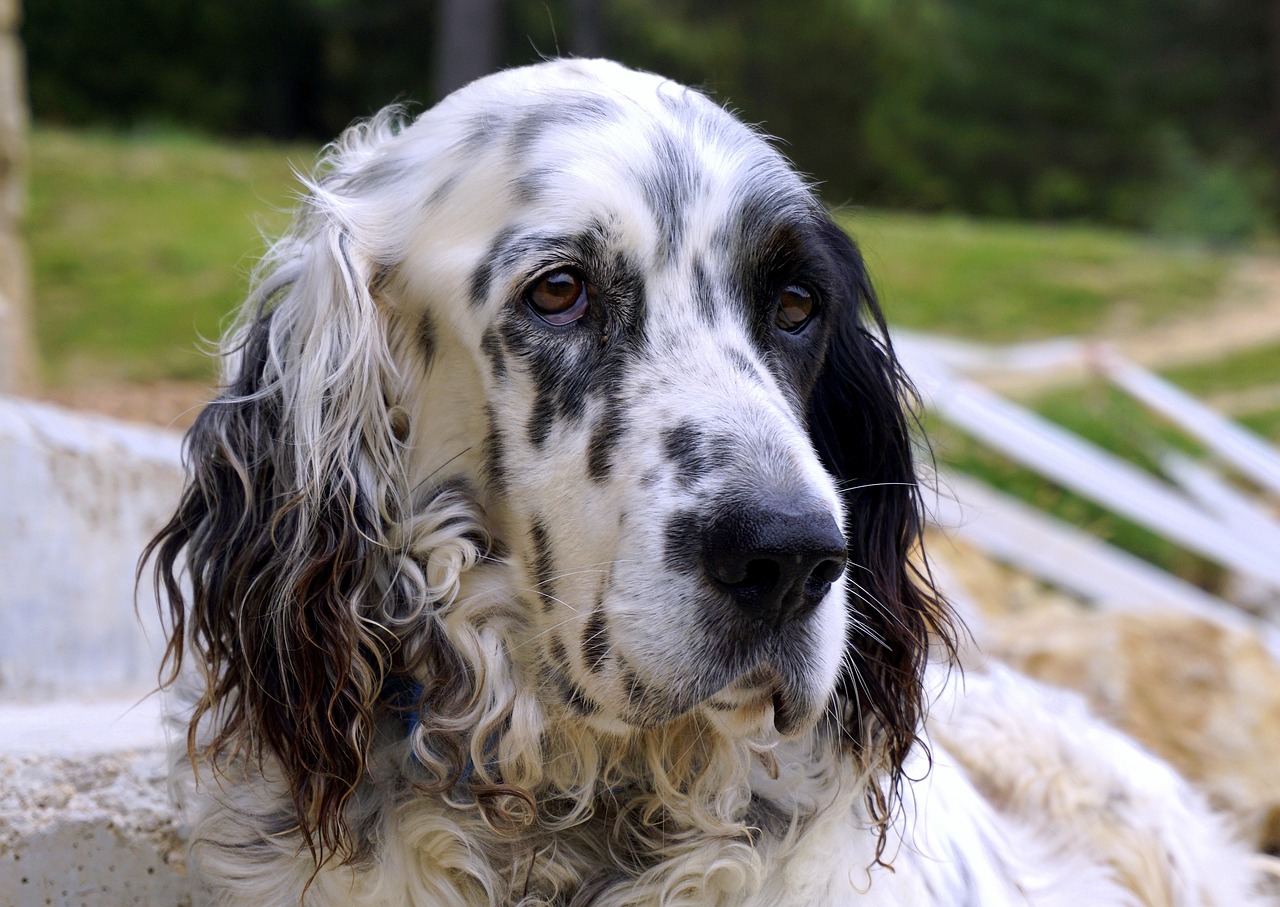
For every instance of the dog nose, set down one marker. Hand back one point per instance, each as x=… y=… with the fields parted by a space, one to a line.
x=776 y=563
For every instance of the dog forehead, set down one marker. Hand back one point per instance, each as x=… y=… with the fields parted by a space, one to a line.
x=562 y=142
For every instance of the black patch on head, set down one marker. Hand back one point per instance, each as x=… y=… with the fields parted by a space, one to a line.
x=491 y=346
x=529 y=187
x=683 y=535
x=572 y=364
x=637 y=691
x=649 y=706
x=543 y=567
x=556 y=650
x=563 y=110
x=676 y=98
x=683 y=446
x=605 y=437
x=595 y=642
x=743 y=363
x=443 y=191
x=570 y=693
x=503 y=252
x=694 y=452
x=704 y=293
x=541 y=419
x=495 y=470
x=775 y=241
x=426 y=337
x=669 y=186
x=483 y=130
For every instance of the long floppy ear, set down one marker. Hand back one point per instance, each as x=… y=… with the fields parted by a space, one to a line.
x=295 y=477
x=860 y=423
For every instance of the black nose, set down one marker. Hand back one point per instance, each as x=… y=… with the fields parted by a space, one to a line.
x=776 y=562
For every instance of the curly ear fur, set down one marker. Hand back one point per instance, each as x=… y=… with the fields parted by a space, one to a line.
x=282 y=528
x=860 y=423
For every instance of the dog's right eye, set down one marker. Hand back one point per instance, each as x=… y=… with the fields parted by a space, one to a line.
x=559 y=297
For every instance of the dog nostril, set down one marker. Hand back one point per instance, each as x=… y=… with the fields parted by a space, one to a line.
x=819 y=582
x=758 y=576
x=775 y=564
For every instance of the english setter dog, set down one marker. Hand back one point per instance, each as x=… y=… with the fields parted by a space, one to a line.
x=555 y=541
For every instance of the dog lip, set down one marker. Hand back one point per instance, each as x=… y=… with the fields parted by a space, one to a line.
x=785 y=720
x=767 y=688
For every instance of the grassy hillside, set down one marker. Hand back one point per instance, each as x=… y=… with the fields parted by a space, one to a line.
x=141 y=246
x=1006 y=281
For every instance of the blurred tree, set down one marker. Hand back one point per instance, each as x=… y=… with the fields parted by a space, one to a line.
x=233 y=66
x=585 y=36
x=1136 y=111
x=468 y=43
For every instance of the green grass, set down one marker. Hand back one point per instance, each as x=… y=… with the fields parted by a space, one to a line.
x=1242 y=369
x=1000 y=281
x=141 y=246
x=1266 y=424
x=1237 y=372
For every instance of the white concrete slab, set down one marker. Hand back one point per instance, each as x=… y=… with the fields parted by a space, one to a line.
x=79 y=498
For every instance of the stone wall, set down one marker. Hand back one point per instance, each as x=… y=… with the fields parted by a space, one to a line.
x=16 y=353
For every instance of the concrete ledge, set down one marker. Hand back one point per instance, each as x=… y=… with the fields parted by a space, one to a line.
x=79 y=498
x=85 y=815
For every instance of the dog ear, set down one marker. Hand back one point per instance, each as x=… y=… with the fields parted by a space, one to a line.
x=295 y=477
x=860 y=423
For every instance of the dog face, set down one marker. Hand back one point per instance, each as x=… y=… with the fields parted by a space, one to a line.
x=585 y=313
x=646 y=320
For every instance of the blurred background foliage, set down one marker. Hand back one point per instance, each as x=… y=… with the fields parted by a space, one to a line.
x=1157 y=114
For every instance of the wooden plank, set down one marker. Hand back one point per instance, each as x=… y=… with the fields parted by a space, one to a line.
x=1251 y=455
x=1071 y=559
x=1087 y=469
x=1239 y=512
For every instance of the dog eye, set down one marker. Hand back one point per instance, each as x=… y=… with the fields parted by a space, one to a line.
x=559 y=296
x=795 y=308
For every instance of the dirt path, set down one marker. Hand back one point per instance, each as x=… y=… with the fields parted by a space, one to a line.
x=168 y=404
x=1246 y=316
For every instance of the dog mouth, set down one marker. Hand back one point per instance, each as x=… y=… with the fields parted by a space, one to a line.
x=765 y=696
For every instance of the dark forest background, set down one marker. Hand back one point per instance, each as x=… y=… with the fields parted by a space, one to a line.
x=1157 y=114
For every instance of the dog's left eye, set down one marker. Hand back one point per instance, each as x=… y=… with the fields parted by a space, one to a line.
x=559 y=296
x=795 y=308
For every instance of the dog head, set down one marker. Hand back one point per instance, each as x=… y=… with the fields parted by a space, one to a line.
x=579 y=328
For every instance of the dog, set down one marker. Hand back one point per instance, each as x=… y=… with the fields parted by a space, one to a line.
x=555 y=540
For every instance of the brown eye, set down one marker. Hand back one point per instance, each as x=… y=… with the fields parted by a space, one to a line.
x=559 y=296
x=795 y=308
